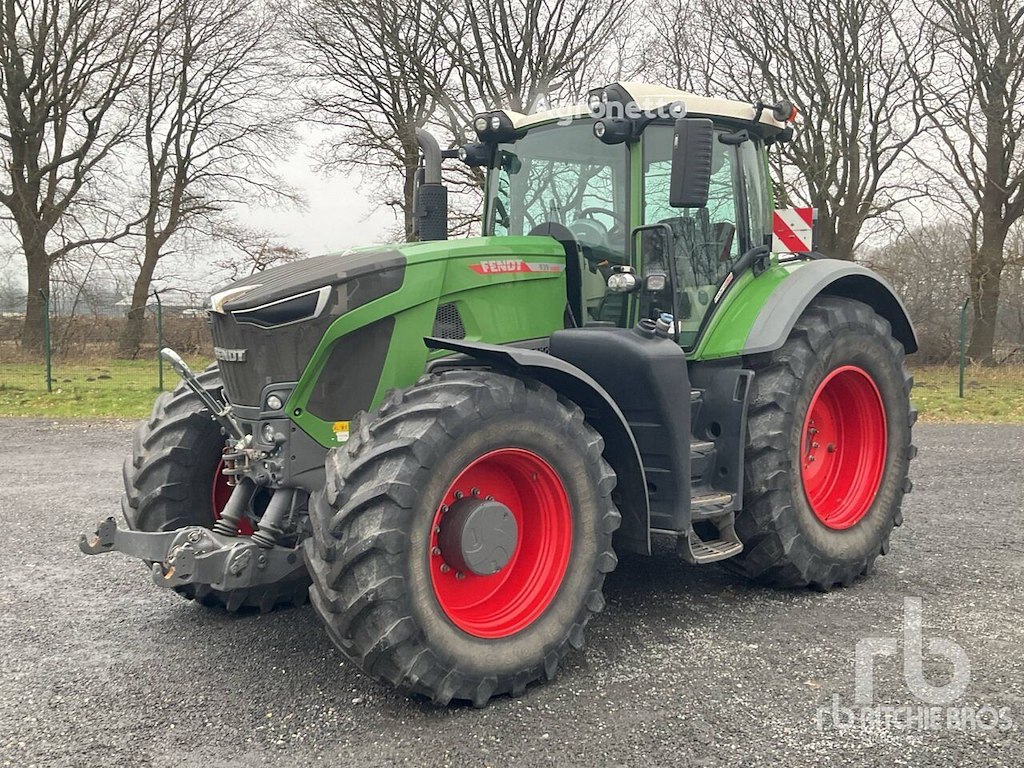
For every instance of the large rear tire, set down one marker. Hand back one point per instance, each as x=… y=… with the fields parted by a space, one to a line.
x=828 y=449
x=172 y=480
x=387 y=584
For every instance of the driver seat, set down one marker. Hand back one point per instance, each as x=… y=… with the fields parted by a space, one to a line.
x=574 y=317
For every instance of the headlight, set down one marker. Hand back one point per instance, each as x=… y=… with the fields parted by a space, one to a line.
x=293 y=309
x=494 y=127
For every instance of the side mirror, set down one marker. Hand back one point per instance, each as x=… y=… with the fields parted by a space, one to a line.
x=692 y=147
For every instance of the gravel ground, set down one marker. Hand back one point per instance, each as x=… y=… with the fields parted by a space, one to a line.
x=687 y=666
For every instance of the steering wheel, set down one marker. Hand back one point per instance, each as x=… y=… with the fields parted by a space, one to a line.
x=590 y=232
x=606 y=211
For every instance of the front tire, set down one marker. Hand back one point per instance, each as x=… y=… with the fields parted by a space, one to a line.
x=172 y=480
x=828 y=449
x=389 y=589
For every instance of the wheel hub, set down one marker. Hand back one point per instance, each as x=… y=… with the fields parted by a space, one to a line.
x=478 y=535
x=500 y=543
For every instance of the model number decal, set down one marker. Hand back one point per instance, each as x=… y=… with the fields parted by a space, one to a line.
x=507 y=266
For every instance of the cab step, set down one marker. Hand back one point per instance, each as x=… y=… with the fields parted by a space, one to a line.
x=698 y=551
x=711 y=505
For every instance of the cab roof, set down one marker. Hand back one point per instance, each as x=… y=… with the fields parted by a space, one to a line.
x=648 y=96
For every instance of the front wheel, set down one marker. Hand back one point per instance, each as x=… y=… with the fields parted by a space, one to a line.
x=463 y=536
x=828 y=449
x=172 y=479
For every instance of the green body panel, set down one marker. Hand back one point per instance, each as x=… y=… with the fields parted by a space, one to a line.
x=727 y=331
x=498 y=301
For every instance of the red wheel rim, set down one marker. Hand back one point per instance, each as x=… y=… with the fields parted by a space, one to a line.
x=843 y=447
x=506 y=602
x=220 y=495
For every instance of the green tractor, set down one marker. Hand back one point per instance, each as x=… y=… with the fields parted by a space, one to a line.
x=446 y=444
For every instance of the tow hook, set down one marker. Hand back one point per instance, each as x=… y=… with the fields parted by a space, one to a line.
x=196 y=555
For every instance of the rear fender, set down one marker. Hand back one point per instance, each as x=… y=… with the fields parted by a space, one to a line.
x=829 y=277
x=620 y=448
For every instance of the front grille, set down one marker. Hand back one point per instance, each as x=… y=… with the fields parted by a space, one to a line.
x=272 y=355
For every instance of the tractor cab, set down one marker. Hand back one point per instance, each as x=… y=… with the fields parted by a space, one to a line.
x=600 y=181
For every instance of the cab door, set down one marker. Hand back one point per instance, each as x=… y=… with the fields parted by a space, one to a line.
x=706 y=241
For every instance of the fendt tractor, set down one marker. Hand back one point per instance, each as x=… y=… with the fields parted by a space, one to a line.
x=446 y=444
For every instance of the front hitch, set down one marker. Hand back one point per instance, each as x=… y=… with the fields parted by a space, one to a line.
x=196 y=555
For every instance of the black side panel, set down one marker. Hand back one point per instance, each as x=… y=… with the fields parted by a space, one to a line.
x=722 y=419
x=349 y=380
x=648 y=380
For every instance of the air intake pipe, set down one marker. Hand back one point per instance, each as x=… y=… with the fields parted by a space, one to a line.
x=430 y=199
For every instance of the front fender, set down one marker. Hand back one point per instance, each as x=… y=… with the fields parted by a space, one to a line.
x=758 y=314
x=620 y=448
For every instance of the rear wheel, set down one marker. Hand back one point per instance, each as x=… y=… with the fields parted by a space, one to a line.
x=828 y=449
x=172 y=480
x=463 y=536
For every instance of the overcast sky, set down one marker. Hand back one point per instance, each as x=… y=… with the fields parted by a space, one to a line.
x=337 y=216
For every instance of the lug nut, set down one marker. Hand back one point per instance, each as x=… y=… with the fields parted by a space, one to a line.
x=475 y=492
x=445 y=567
x=831 y=448
x=437 y=529
x=460 y=575
x=458 y=494
x=435 y=551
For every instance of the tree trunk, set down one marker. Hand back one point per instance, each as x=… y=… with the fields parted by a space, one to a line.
x=38 y=265
x=135 y=322
x=986 y=270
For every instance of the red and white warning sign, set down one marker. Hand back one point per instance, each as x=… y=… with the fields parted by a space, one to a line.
x=793 y=230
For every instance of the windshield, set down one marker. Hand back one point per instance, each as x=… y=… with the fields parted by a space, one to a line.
x=563 y=175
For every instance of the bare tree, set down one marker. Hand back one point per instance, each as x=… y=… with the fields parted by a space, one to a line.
x=928 y=265
x=378 y=70
x=975 y=100
x=214 y=112
x=252 y=251
x=511 y=53
x=368 y=67
x=64 y=65
x=847 y=65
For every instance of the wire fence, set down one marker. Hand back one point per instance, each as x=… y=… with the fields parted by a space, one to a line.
x=84 y=369
x=88 y=357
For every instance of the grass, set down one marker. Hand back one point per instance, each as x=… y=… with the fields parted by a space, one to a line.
x=95 y=389
x=126 y=389
x=991 y=395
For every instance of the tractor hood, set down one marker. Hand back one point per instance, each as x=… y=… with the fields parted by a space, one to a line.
x=267 y=326
x=285 y=293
